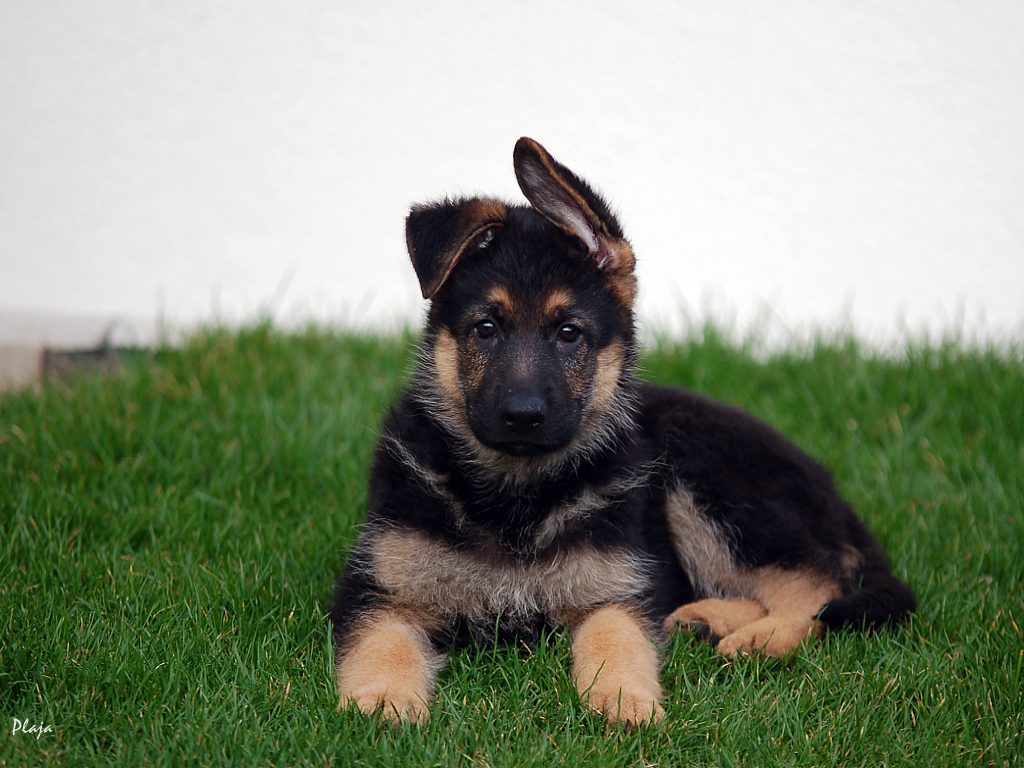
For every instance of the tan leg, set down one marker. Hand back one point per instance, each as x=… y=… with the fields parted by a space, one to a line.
x=389 y=666
x=616 y=666
x=792 y=599
x=713 y=619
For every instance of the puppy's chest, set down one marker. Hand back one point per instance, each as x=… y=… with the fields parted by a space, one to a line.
x=420 y=571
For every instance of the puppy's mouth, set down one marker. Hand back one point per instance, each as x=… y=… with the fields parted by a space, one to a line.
x=523 y=448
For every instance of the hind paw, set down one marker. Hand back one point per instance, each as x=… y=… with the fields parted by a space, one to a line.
x=713 y=619
x=770 y=636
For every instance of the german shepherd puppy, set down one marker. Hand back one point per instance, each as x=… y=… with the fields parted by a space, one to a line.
x=527 y=479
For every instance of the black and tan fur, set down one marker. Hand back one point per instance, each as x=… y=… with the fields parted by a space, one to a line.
x=526 y=479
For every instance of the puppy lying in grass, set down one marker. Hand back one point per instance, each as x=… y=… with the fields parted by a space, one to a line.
x=527 y=479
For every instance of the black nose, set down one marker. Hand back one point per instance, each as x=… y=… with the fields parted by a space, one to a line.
x=523 y=414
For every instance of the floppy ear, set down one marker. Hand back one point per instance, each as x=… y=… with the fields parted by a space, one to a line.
x=571 y=205
x=437 y=234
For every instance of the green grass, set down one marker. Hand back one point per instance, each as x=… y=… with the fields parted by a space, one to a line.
x=171 y=535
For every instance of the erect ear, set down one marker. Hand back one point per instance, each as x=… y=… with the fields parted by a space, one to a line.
x=571 y=205
x=438 y=234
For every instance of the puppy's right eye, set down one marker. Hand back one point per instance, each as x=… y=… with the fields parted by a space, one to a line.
x=485 y=329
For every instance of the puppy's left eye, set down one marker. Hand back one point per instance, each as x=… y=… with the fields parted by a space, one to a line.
x=569 y=333
x=485 y=329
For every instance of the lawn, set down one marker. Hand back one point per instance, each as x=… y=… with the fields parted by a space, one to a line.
x=171 y=535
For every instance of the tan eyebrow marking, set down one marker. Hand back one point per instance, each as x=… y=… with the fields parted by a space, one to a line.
x=557 y=301
x=499 y=296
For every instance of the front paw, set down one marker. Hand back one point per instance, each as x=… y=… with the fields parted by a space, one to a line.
x=395 y=704
x=625 y=706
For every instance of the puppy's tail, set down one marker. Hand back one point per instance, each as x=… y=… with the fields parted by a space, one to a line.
x=880 y=599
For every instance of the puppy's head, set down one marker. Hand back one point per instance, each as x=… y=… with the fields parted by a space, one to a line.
x=530 y=332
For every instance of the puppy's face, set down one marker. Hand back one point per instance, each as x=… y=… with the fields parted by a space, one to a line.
x=530 y=328
x=529 y=338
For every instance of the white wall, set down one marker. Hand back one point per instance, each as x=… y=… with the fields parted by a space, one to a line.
x=857 y=162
